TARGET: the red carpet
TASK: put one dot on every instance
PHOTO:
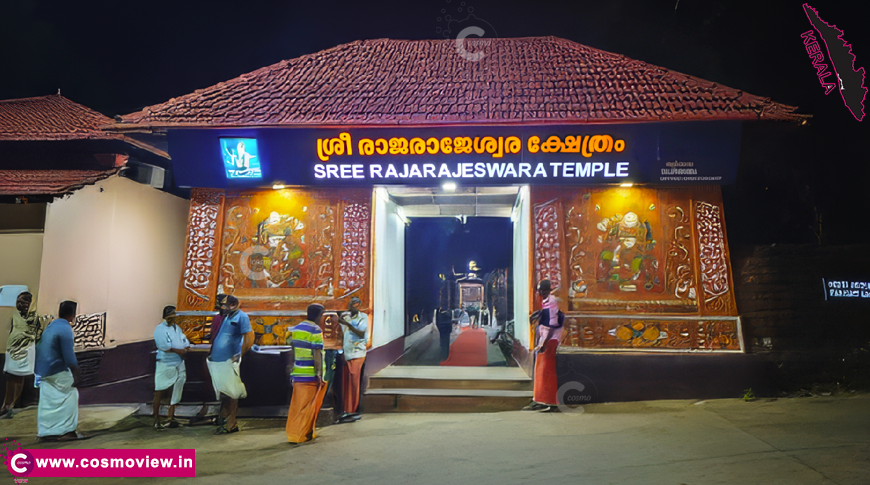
(469, 349)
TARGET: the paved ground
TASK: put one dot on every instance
(813, 440)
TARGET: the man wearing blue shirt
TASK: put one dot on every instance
(57, 371)
(233, 340)
(170, 371)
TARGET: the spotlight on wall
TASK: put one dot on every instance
(278, 186)
(626, 184)
(448, 186)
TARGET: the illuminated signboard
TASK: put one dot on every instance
(673, 153)
(846, 289)
(241, 158)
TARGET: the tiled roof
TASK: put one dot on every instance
(50, 118)
(49, 182)
(523, 80)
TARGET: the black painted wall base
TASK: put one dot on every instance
(620, 377)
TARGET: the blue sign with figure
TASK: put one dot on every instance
(241, 158)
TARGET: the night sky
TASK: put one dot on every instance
(118, 57)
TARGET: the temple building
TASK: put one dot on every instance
(87, 215)
(303, 175)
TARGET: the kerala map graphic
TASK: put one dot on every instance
(849, 79)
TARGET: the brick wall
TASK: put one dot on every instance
(787, 320)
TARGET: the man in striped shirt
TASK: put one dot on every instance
(308, 386)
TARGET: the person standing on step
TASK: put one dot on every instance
(548, 335)
(170, 371)
(234, 339)
(356, 337)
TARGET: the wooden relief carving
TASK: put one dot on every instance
(680, 276)
(547, 247)
(712, 257)
(200, 256)
(578, 249)
(273, 330)
(658, 334)
(354, 248)
(284, 249)
(323, 228)
(195, 327)
(237, 217)
(89, 331)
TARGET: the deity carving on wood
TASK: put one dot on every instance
(288, 248)
(637, 252)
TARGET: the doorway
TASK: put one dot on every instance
(459, 252)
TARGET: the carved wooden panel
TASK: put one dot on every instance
(548, 248)
(353, 273)
(201, 256)
(286, 249)
(648, 334)
(679, 266)
(626, 250)
(581, 269)
(713, 259)
(633, 252)
(273, 330)
(89, 331)
(195, 327)
(322, 258)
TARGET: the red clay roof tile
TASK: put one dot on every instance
(388, 82)
(50, 118)
(49, 182)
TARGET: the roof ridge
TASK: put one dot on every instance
(31, 98)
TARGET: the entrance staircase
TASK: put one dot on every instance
(437, 389)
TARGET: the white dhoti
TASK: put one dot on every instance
(170, 375)
(225, 379)
(23, 367)
(58, 411)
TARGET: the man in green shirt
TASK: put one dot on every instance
(308, 386)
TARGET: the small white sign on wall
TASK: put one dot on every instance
(9, 293)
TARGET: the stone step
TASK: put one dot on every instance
(444, 400)
(382, 383)
(438, 377)
(447, 389)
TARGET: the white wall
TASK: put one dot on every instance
(388, 322)
(522, 231)
(114, 247)
(20, 258)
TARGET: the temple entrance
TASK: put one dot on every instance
(462, 267)
(459, 291)
(465, 252)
